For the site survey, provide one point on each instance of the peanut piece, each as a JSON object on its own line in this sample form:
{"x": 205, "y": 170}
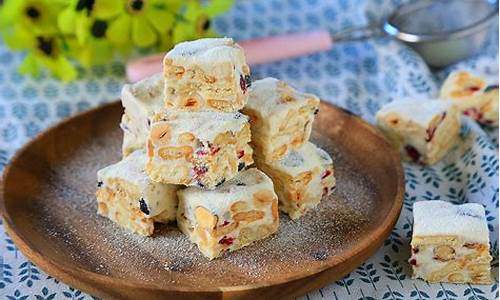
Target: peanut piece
{"x": 204, "y": 218}
{"x": 239, "y": 206}
{"x": 262, "y": 198}
{"x": 173, "y": 153}
{"x": 249, "y": 216}
{"x": 160, "y": 133}
{"x": 186, "y": 138}
{"x": 444, "y": 253}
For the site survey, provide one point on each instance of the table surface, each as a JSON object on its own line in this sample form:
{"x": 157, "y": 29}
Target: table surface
{"x": 360, "y": 76}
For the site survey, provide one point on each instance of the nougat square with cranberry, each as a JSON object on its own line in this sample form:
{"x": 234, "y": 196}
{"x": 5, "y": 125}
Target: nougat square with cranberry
{"x": 450, "y": 243}
{"x": 235, "y": 214}
{"x": 475, "y": 96}
{"x": 423, "y": 130}
{"x": 301, "y": 179}
{"x": 208, "y": 74}
{"x": 127, "y": 196}
{"x": 280, "y": 116}
{"x": 201, "y": 149}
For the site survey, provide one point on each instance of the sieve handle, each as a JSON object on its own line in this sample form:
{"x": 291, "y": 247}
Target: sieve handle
{"x": 357, "y": 33}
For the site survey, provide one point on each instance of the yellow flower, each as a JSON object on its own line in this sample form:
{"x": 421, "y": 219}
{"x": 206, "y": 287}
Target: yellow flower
{"x": 144, "y": 22}
{"x": 97, "y": 49}
{"x": 35, "y": 16}
{"x": 43, "y": 51}
{"x": 196, "y": 20}
{"x": 78, "y": 16}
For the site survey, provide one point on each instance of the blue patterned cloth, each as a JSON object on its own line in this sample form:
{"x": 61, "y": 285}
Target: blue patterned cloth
{"x": 360, "y": 76}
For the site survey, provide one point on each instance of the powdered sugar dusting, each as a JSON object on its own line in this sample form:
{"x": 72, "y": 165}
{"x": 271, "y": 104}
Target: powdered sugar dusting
{"x": 65, "y": 216}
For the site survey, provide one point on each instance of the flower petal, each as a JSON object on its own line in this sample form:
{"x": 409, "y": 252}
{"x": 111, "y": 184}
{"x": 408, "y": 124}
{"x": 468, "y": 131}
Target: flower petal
{"x": 105, "y": 9}
{"x": 119, "y": 30}
{"x": 29, "y": 66}
{"x": 143, "y": 34}
{"x": 82, "y": 28}
{"x": 162, "y": 20}
{"x": 66, "y": 20}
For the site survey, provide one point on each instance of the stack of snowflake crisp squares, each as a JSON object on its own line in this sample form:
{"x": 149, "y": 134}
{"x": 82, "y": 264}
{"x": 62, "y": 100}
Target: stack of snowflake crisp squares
{"x": 281, "y": 120}
{"x": 188, "y": 152}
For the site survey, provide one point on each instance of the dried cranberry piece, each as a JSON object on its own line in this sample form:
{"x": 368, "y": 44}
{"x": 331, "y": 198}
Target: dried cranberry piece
{"x": 474, "y": 113}
{"x": 227, "y": 241}
{"x": 213, "y": 149}
{"x": 241, "y": 153}
{"x": 201, "y": 152}
{"x": 415, "y": 249}
{"x": 413, "y": 262}
{"x": 200, "y": 170}
{"x": 143, "y": 206}
{"x": 226, "y": 222}
{"x": 412, "y": 153}
{"x": 473, "y": 88}
{"x": 325, "y": 191}
{"x": 326, "y": 174}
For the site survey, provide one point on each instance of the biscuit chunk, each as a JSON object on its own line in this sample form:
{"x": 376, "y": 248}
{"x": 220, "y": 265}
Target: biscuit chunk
{"x": 201, "y": 149}
{"x": 301, "y": 178}
{"x": 141, "y": 100}
{"x": 473, "y": 96}
{"x": 281, "y": 118}
{"x": 423, "y": 131}
{"x": 206, "y": 75}
{"x": 450, "y": 243}
{"x": 128, "y": 197}
{"x": 236, "y": 214}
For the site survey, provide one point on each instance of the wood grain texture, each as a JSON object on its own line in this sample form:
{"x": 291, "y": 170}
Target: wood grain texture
{"x": 48, "y": 207}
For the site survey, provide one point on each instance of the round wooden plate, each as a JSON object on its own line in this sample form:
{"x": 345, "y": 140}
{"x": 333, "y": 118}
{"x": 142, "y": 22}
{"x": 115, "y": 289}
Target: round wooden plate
{"x": 49, "y": 211}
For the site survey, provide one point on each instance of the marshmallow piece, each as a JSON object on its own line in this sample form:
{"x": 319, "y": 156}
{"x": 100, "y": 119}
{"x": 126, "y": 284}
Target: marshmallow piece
{"x": 301, "y": 178}
{"x": 141, "y": 100}
{"x": 450, "y": 243}
{"x": 201, "y": 149}
{"x": 128, "y": 197}
{"x": 206, "y": 75}
{"x": 473, "y": 96}
{"x": 234, "y": 215}
{"x": 281, "y": 118}
{"x": 424, "y": 131}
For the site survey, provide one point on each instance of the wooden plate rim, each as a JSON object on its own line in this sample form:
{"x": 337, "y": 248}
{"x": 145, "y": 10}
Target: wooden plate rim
{"x": 73, "y": 275}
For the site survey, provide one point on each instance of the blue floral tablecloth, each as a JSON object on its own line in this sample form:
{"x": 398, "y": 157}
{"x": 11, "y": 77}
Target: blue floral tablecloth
{"x": 360, "y": 76}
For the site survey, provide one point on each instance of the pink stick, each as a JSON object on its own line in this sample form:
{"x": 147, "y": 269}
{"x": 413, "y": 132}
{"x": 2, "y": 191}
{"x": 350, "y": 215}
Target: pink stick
{"x": 257, "y": 51}
{"x": 270, "y": 49}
